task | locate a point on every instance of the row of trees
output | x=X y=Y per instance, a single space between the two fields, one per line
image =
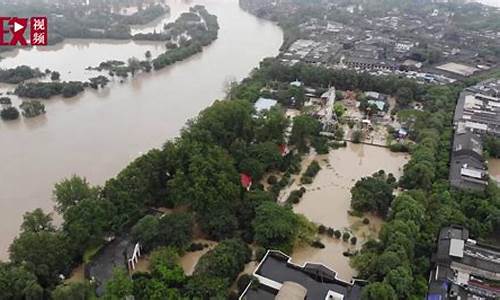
x=46 y=90
x=19 y=74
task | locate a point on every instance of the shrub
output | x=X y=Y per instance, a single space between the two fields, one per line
x=330 y=232
x=9 y=113
x=357 y=136
x=311 y=172
x=366 y=221
x=320 y=144
x=225 y=261
x=354 y=240
x=399 y=147
x=337 y=234
x=321 y=229
x=318 y=244
x=272 y=180
x=306 y=180
x=346 y=236
x=295 y=197
x=5 y=101
x=32 y=109
x=196 y=247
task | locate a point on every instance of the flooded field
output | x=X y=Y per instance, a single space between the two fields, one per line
x=327 y=201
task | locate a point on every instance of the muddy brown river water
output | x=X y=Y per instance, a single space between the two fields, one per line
x=98 y=133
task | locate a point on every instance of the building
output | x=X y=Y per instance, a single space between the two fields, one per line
x=246 y=181
x=463 y=268
x=477 y=115
x=377 y=99
x=279 y=278
x=468 y=169
x=264 y=104
x=404 y=46
x=458 y=69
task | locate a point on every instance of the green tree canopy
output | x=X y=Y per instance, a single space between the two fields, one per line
x=275 y=226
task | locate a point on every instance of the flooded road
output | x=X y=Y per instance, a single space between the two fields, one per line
x=327 y=201
x=99 y=132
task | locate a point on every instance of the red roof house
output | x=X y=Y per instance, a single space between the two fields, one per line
x=246 y=181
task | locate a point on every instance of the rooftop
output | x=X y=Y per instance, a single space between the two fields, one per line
x=264 y=104
x=458 y=69
x=464 y=267
x=276 y=271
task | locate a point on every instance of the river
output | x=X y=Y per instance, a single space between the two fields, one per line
x=98 y=133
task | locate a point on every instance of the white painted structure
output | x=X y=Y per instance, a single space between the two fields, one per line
x=135 y=257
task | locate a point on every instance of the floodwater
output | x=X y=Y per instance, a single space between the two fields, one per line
x=327 y=201
x=98 y=133
x=189 y=260
x=494 y=169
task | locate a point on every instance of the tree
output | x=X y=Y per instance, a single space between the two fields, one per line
x=134 y=65
x=37 y=221
x=404 y=96
x=146 y=232
x=401 y=280
x=378 y=291
x=163 y=256
x=147 y=54
x=271 y=126
x=225 y=261
x=492 y=146
x=206 y=287
x=357 y=136
x=223 y=123
x=87 y=222
x=175 y=230
x=55 y=76
x=9 y=113
x=252 y=167
x=70 y=192
x=211 y=186
x=17 y=282
x=141 y=184
x=339 y=110
x=267 y=153
x=32 y=109
x=275 y=226
x=45 y=253
x=119 y=286
x=73 y=291
x=304 y=127
x=372 y=194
